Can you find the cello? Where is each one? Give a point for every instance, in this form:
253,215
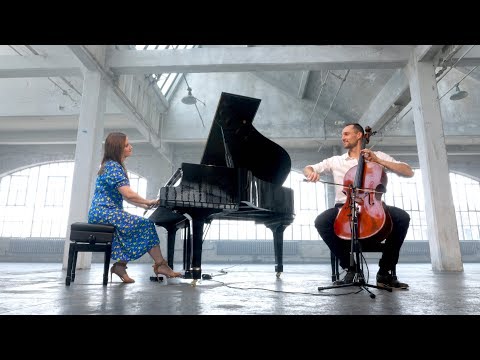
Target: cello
364,185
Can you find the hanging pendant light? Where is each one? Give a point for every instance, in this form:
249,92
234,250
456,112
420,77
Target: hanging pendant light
189,99
459,94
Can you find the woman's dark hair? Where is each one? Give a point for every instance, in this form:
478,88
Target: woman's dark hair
113,150
357,127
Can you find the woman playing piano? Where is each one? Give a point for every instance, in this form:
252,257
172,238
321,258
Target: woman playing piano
134,235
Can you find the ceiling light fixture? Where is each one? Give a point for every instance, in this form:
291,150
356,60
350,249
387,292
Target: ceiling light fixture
459,94
189,99
192,100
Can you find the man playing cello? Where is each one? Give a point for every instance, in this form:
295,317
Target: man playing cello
338,166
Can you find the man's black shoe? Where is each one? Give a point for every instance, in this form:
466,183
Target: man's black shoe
391,282
347,279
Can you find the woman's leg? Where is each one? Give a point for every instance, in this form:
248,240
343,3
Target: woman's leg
119,269
161,265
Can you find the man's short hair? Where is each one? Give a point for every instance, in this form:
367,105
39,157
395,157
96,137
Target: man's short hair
357,127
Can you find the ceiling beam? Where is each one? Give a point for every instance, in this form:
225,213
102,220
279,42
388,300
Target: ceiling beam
82,53
57,137
226,60
385,105
427,52
467,61
204,60
303,84
469,55
396,92
15,66
331,141
23,137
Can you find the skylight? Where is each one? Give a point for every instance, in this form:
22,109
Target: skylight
164,81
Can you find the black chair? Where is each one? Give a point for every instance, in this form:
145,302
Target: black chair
87,237
367,247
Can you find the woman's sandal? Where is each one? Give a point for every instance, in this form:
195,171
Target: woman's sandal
171,273
119,269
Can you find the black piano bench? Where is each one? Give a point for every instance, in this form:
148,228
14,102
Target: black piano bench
89,237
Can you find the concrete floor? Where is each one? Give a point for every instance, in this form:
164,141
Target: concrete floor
244,289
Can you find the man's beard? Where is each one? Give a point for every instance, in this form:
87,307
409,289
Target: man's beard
349,145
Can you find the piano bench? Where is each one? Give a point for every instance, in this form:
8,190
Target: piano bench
87,237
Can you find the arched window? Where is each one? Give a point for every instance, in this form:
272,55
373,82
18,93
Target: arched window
407,194
466,199
35,202
309,201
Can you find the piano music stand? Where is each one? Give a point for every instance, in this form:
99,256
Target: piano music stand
355,251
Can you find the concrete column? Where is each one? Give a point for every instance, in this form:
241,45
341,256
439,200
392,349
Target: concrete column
88,153
439,209
332,189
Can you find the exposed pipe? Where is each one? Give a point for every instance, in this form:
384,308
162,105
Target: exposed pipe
456,62
458,83
64,92
318,97
331,104
409,106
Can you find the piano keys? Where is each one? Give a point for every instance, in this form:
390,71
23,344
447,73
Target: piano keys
240,177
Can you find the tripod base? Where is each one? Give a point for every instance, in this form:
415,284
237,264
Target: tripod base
360,283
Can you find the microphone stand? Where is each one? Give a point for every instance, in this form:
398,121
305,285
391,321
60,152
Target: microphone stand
355,251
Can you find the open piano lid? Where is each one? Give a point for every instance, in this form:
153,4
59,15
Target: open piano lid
234,142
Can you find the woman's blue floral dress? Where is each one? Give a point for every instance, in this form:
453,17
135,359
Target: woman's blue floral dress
134,235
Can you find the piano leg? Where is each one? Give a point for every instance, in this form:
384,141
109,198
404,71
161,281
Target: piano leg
172,232
187,251
199,218
277,230
197,248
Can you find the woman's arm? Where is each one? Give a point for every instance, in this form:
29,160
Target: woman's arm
133,198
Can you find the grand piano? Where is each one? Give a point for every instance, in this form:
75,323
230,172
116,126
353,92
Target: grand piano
240,177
